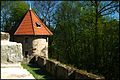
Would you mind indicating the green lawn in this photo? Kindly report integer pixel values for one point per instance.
(38, 73)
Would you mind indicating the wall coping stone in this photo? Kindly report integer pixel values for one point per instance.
(5, 36)
(73, 69)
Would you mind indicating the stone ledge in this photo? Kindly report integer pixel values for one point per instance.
(11, 52)
(8, 65)
(5, 36)
(4, 42)
(63, 71)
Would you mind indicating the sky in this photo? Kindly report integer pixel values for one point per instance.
(113, 15)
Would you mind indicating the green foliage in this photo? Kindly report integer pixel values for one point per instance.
(82, 41)
(38, 73)
(12, 14)
(83, 37)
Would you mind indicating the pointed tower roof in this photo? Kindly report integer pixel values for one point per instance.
(32, 25)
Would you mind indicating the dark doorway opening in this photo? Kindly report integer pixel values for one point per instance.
(26, 54)
(26, 40)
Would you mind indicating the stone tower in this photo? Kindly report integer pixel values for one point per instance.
(33, 34)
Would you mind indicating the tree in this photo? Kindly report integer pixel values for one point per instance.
(5, 11)
(82, 36)
(46, 11)
(12, 12)
(105, 10)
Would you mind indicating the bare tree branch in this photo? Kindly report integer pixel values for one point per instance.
(105, 6)
(109, 8)
(108, 13)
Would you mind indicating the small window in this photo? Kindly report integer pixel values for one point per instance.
(38, 24)
(26, 54)
(26, 40)
(46, 39)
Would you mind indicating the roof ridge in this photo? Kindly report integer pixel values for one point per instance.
(43, 24)
(32, 21)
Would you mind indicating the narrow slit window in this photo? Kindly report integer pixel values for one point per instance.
(46, 39)
(26, 54)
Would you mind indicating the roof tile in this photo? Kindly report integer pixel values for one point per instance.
(28, 25)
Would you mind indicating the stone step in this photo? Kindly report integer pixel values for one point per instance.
(15, 73)
(15, 65)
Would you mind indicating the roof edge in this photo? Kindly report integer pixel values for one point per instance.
(31, 20)
(43, 23)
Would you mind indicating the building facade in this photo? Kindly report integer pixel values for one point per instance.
(33, 34)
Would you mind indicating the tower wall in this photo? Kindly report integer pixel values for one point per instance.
(33, 45)
(11, 52)
(40, 46)
(27, 47)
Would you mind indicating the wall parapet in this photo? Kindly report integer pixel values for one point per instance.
(11, 52)
(5, 36)
(63, 71)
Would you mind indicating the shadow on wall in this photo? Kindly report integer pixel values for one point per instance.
(44, 50)
(33, 62)
(40, 71)
(61, 71)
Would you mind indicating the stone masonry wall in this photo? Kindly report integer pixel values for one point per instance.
(11, 52)
(62, 71)
(40, 46)
(36, 46)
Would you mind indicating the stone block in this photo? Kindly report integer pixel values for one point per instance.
(65, 72)
(62, 72)
(70, 73)
(51, 66)
(5, 36)
(41, 62)
(81, 74)
(11, 52)
(47, 66)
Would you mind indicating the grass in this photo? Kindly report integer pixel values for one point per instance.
(38, 73)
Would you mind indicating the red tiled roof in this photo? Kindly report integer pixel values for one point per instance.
(28, 26)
